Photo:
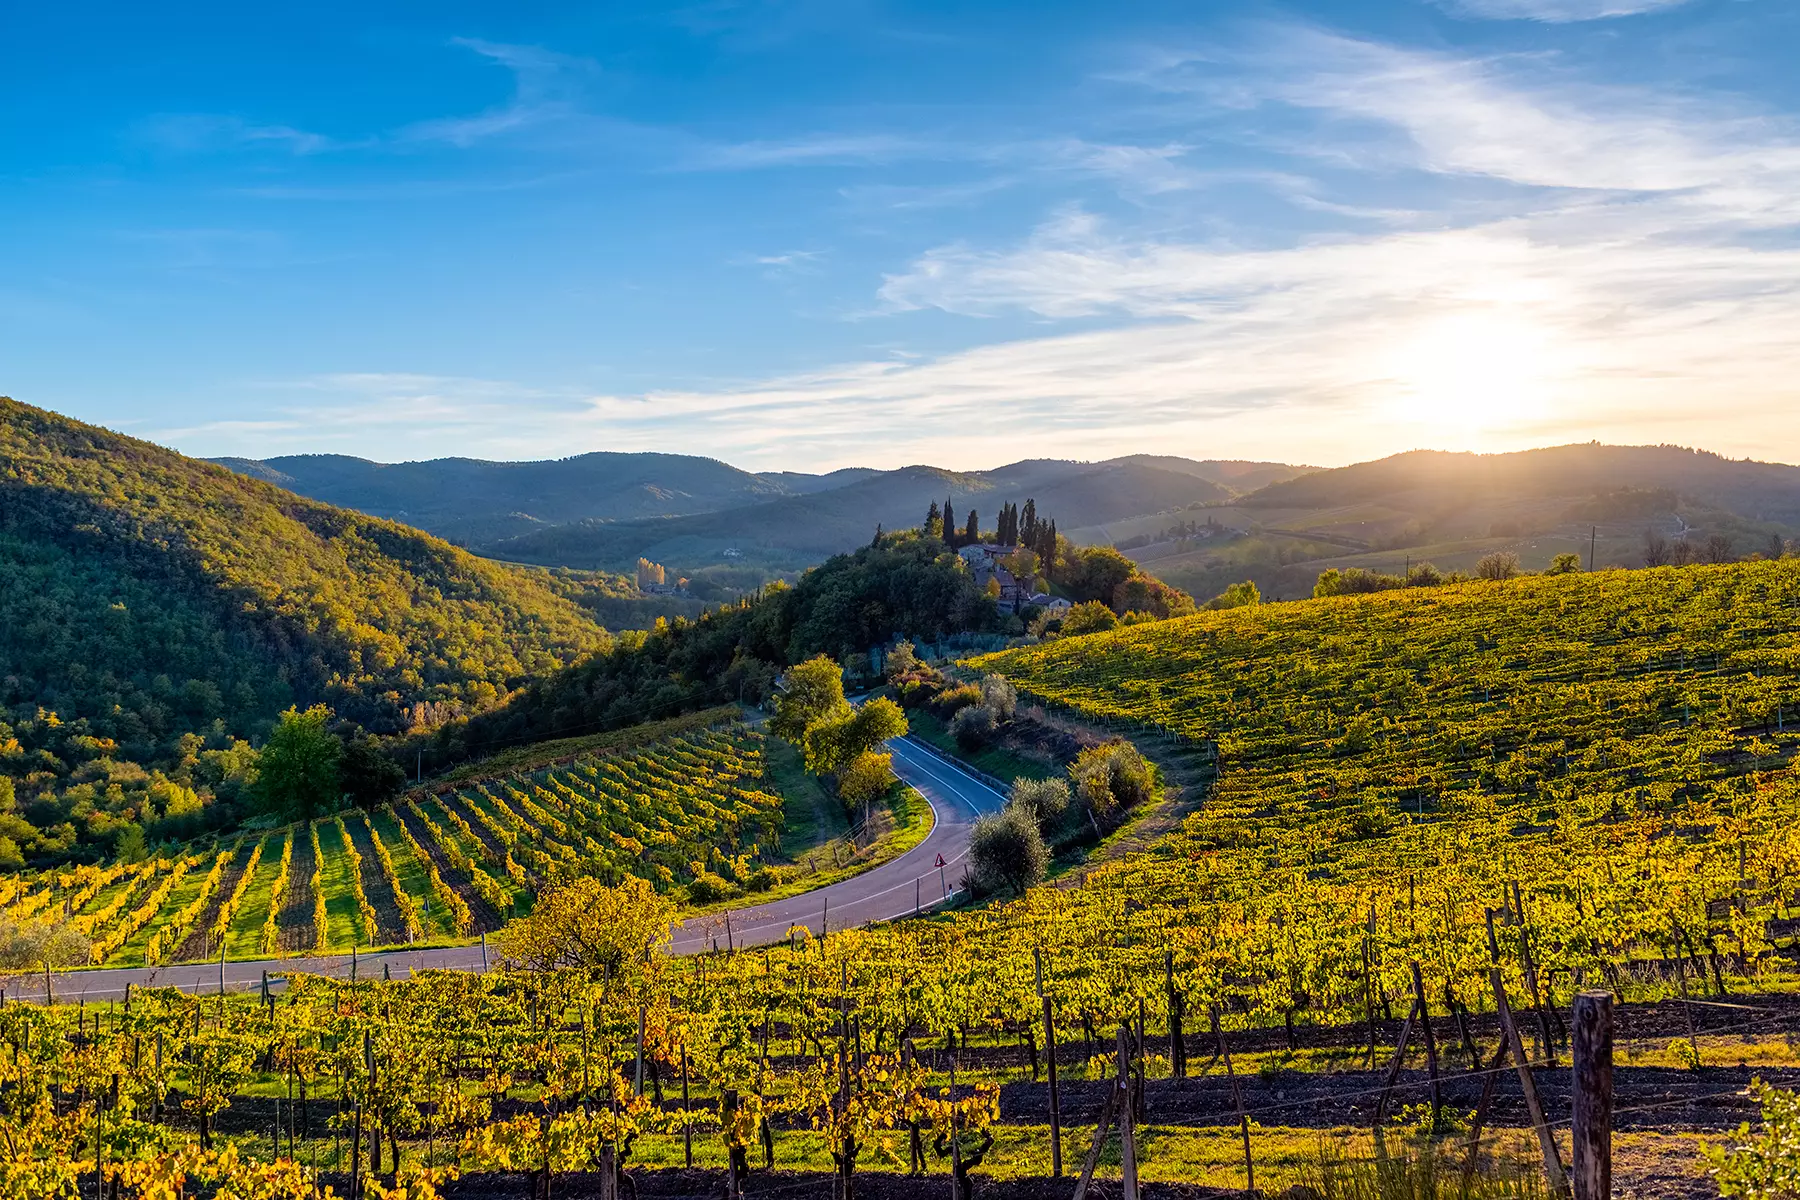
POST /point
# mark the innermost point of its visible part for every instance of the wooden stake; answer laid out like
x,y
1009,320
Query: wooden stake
x,y
1393,1075
1553,1168
1237,1098
1128,1182
1431,1061
1591,1127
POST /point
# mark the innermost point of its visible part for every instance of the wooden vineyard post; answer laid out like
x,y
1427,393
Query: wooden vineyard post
x,y
1431,1060
1393,1075
1237,1099
1591,1128
1481,1111
1128,1181
1177,1047
687,1120
1553,1168
1113,1098
1056,1168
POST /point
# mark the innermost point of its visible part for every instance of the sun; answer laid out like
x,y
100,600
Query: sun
x,y
1470,374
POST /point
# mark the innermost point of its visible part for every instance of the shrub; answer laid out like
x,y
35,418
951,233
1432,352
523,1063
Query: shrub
x,y
1238,595
950,701
1764,1165
999,695
1502,564
1134,617
1111,777
902,660
1564,564
1045,799
708,888
973,727
1007,850
1089,617
762,879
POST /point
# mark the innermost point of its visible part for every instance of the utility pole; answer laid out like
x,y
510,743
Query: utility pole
x,y
1593,538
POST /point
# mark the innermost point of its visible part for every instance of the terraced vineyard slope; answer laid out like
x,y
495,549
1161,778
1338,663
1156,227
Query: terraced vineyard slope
x,y
687,808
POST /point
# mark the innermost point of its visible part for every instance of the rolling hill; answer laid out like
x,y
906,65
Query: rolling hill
x,y
1451,509
154,608
470,501
608,508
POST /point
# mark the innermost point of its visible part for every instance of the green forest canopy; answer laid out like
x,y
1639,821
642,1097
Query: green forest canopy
x,y
156,610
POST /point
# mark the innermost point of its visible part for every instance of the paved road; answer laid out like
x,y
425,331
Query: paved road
x,y
891,890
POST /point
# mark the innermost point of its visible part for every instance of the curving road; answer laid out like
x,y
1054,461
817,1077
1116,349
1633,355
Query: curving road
x,y
910,883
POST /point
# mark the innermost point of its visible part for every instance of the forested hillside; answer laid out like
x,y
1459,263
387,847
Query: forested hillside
x,y
156,610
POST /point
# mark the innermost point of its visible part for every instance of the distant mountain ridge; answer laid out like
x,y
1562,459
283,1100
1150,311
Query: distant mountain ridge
x,y
610,508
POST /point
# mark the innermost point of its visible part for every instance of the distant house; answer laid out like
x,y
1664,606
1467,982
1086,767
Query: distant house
x,y
984,565
733,552
1055,605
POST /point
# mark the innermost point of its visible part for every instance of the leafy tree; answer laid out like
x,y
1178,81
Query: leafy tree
x,y
973,727
1238,595
1007,850
32,945
1564,564
1045,799
1095,573
999,695
366,773
833,741
1089,617
901,660
865,779
591,925
1502,564
1111,777
814,693
934,523
297,771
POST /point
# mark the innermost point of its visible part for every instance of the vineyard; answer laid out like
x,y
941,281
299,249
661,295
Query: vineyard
x,y
445,866
1436,815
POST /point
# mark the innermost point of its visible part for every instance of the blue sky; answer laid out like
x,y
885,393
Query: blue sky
x,y
809,235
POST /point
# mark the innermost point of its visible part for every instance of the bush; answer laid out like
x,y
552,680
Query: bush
x,y
1045,799
1090,617
999,695
1502,564
708,888
762,879
1764,1165
973,727
1564,564
1238,595
1111,777
951,701
1008,851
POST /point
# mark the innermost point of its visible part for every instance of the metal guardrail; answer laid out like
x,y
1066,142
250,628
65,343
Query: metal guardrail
x,y
975,773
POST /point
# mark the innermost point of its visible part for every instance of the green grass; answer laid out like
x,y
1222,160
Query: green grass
x,y
995,760
810,815
244,938
410,873
131,954
339,889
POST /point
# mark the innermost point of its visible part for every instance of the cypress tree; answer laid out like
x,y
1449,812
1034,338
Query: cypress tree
x,y
949,523
933,523
973,533
1030,523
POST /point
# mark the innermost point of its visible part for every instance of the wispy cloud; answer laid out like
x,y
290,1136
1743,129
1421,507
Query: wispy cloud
x,y
1555,12
546,86
195,133
1637,278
